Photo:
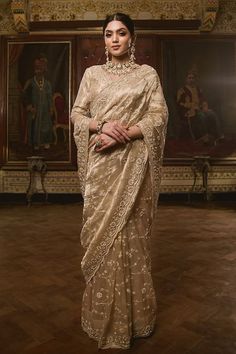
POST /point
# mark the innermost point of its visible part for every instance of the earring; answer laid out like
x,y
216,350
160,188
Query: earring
x,y
132,52
107,54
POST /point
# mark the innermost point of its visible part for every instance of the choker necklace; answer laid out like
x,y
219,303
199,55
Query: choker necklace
x,y
120,69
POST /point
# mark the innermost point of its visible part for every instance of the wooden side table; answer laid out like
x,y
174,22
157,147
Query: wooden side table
x,y
37,169
201,165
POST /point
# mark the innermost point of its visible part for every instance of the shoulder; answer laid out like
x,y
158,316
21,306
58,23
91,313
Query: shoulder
x,y
149,69
91,73
91,70
150,73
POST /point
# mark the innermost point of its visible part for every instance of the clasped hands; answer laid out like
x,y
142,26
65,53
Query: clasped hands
x,y
113,133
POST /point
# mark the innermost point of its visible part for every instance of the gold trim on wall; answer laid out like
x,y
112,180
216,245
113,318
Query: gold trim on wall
x,y
17,15
59,10
6,18
176,179
20,15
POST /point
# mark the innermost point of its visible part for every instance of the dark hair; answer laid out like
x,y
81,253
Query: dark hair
x,y
118,16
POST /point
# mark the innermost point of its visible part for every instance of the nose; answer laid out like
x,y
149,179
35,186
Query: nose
x,y
114,38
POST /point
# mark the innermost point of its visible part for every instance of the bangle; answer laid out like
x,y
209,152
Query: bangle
x,y
99,127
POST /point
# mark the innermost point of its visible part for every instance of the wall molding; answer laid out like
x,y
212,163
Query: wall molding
x,y
17,16
210,10
20,15
226,18
7,25
176,179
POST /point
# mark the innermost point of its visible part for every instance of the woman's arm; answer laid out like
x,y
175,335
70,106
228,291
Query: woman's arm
x,y
80,113
134,132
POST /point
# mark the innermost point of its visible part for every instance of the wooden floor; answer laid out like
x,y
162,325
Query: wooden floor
x,y
194,271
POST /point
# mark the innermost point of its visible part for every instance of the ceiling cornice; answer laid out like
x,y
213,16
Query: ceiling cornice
x,y
24,15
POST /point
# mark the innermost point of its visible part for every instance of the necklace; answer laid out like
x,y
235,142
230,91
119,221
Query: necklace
x,y
120,69
39,82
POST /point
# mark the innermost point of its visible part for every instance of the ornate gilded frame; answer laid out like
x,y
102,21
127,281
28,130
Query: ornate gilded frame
x,y
212,60
17,70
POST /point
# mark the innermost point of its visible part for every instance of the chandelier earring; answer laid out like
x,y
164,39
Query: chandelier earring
x,y
107,54
121,68
132,53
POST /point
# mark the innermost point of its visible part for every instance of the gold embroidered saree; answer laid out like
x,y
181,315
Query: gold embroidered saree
x,y
120,189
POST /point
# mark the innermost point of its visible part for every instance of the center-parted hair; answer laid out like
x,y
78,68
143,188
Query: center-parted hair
x,y
125,19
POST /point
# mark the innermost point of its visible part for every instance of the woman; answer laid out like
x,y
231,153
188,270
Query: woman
x,y
119,121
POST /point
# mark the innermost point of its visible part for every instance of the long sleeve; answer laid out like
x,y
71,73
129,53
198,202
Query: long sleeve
x,y
80,115
153,126
80,110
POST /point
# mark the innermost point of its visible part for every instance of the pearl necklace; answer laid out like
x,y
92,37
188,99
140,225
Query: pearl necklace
x,y
120,69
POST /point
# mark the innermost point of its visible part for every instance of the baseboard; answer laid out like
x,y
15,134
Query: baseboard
x,y
77,198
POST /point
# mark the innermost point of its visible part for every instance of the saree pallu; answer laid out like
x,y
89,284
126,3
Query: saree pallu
x,y
120,188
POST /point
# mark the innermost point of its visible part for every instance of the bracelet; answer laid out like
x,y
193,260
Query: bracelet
x,y
99,127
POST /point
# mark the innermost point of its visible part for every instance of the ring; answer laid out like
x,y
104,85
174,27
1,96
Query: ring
x,y
98,144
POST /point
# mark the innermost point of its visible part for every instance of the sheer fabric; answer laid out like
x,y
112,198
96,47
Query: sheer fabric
x,y
120,189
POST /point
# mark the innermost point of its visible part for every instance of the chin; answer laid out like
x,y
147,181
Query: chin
x,y
120,54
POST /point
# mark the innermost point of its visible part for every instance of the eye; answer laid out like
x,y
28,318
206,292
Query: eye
x,y
107,35
122,33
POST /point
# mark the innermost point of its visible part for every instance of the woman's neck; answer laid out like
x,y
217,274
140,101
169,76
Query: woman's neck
x,y
120,60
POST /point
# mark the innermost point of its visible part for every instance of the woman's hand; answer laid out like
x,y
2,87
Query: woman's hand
x,y
117,131
103,142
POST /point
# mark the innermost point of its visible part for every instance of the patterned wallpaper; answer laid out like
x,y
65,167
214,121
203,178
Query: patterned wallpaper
x,y
70,10
226,19
6,18
88,9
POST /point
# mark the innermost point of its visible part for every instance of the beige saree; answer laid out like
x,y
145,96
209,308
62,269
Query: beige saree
x,y
120,189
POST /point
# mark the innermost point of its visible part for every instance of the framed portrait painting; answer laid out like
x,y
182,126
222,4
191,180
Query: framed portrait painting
x,y
200,88
38,101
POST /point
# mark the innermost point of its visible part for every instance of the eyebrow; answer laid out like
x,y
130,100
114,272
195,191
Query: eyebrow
x,y
119,29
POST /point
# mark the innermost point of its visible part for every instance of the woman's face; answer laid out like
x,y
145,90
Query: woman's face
x,y
117,38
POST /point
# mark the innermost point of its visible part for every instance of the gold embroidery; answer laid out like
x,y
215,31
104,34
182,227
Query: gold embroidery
x,y
120,189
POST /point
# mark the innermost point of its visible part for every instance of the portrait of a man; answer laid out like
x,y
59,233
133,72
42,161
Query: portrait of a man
x,y
39,100
200,93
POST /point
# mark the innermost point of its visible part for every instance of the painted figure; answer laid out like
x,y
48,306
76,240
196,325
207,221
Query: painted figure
x,y
198,121
37,95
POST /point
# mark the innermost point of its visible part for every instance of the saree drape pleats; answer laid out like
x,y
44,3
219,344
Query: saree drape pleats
x,y
120,189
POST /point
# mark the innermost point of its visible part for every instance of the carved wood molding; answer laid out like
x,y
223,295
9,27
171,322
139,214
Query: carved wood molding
x,y
59,10
76,12
210,9
6,18
226,19
212,15
20,15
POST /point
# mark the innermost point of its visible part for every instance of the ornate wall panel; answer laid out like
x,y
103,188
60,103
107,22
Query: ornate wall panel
x,y
70,10
59,10
226,19
210,9
6,18
55,182
20,15
16,15
179,179
176,179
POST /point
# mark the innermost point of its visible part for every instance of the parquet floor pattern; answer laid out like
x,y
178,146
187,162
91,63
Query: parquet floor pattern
x,y
41,284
